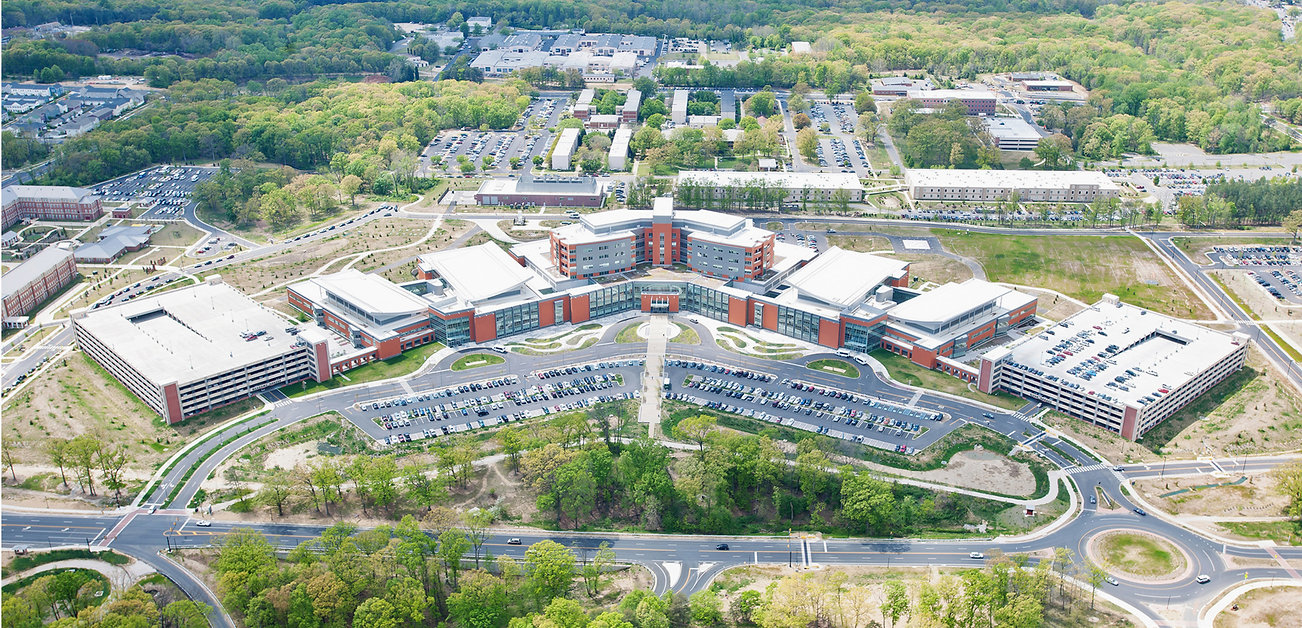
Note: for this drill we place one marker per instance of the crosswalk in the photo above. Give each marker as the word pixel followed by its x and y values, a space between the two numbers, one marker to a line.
pixel 1093 467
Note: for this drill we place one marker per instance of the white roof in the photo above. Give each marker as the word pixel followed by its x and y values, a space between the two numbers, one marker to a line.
pixel 478 273
pixel 374 294
pixel 964 94
pixel 1160 352
pixel 1014 128
pixel 949 301
pixel 1003 179
pixel 844 278
pixel 800 47
pixel 784 180
pixel 585 98
pixel 43 192
pixel 190 334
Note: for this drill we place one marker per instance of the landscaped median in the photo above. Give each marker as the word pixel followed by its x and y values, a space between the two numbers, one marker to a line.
pixel 904 371
pixel 476 360
pixel 836 367
pixel 1138 555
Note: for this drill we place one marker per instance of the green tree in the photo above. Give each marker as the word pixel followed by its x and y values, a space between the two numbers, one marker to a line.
pixel 453 545
pixel 807 143
pixel 1291 223
pixel 476 522
pixel 245 564
pixel 1288 479
pixel 375 612
pixel 864 103
pixel 705 608
pixel 185 614
pixel 867 501
pixel 481 602
pixel 596 569
pixel 696 429
pixel 565 613
pixel 897 602
pixel 551 570
pixel 277 490
pixel 762 104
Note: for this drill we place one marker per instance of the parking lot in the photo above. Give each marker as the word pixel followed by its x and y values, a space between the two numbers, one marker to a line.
pixel 1257 255
pixel 495 400
pixel 806 406
pixel 528 139
pixel 164 191
pixel 1283 284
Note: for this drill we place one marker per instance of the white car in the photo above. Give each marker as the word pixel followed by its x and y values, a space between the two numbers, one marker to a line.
pixel 203 523
pixel 977 555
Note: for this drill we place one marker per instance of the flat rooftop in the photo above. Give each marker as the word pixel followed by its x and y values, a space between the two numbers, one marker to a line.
pixel 964 94
pixel 785 180
pixel 952 300
pixel 1003 179
pixel 478 273
pixel 1011 129
pixel 191 333
pixel 1109 340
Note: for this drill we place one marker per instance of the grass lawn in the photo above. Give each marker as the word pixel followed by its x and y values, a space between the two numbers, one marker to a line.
pixel 835 367
pixel 97 593
pixel 397 366
pixel 906 372
pixel 1287 532
pixel 862 244
pixel 37 558
pixel 1141 555
pixel 686 335
pixel 174 234
pixel 629 335
pixel 476 360
pixel 1083 267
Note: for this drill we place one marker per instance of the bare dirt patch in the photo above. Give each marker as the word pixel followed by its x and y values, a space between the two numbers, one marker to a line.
pixel 863 244
pixel 935 268
pixel 1274 607
pixel 1255 499
pixel 76 396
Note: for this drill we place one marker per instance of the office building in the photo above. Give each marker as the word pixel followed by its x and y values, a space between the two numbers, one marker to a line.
pixel 978 102
pixel 34 281
pixel 1012 133
pixel 49 202
pixel 113 242
pixel 1031 186
pixel 791 187
pixel 668 260
pixel 1115 365
pixel 899 85
pixel 187 351
pixel 543 190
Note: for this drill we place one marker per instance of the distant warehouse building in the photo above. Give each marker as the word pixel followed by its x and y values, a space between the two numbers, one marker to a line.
pixel 618 159
pixel 35 280
pixel 49 202
pixel 1035 186
pixel 792 187
pixel 1047 86
pixel 978 102
pixel 549 190
pixel 188 351
pixel 1117 366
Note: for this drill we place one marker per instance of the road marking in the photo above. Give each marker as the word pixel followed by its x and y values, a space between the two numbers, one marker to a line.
pixel 674 569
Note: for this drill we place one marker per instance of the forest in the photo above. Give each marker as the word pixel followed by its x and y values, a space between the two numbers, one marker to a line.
pixel 356 128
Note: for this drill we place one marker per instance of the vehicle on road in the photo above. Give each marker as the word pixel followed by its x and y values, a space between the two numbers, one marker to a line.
pixel 1140 512
pixel 203 523
pixel 1203 579
pixel 1112 581
pixel 723 547
pixel 513 541
pixel 976 555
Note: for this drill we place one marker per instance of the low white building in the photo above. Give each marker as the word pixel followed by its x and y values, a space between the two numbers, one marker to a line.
pixel 1013 133
pixel 678 110
pixel 1034 186
pixel 618 159
pixel 563 153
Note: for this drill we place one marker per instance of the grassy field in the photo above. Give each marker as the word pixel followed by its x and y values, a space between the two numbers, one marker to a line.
pixel 1141 555
pixel 862 244
pixel 835 367
pixel 906 372
pixel 1083 267
pixel 77 396
pixel 1286 532
pixel 476 360
pixel 924 267
pixel 37 558
pixel 397 366
pixel 173 234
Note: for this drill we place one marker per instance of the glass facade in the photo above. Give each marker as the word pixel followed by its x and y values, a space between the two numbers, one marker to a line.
pixel 454 332
pixel 706 302
pixel 862 338
pixel 798 324
pixel 519 318
pixel 620 298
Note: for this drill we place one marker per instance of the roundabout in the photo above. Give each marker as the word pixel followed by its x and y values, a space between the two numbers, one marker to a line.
pixel 1140 556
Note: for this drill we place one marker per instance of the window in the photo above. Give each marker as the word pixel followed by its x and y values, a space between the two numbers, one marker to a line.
pixel 559 310
pixel 514 320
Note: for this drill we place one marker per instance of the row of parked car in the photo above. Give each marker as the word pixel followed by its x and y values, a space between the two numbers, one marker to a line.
pixel 562 371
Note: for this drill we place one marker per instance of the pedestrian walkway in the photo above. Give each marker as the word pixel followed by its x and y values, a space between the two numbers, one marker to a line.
pixel 657 332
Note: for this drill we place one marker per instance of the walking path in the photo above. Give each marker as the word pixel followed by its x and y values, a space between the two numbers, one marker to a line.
pixel 657 340
pixel 120 576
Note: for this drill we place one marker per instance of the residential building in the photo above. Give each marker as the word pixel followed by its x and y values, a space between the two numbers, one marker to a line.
pixel 191 350
pixel 49 202
pixel 1036 186
pixel 34 281
pixel 563 152
pixel 618 159
pixel 678 107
